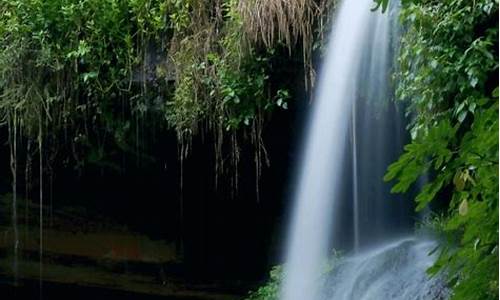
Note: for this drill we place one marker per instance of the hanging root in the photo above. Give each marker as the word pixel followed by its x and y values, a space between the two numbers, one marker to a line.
pixel 13 127
pixel 271 22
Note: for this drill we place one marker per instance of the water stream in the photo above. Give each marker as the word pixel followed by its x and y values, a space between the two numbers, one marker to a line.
pixel 355 131
pixel 395 271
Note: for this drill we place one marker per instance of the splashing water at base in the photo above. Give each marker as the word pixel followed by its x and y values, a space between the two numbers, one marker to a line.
pixel 395 271
pixel 353 88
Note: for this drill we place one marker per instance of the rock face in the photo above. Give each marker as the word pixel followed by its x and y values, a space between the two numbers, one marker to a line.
pixel 93 256
pixel 395 271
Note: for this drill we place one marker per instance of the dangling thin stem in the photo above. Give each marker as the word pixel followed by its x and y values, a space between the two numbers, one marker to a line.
pixel 40 157
pixel 13 167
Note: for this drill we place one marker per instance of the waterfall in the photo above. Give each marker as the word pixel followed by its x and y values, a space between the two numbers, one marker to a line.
pixel 393 271
pixel 355 131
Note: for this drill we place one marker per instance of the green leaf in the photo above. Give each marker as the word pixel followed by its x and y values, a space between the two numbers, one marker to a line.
pixel 463 209
pixel 462 116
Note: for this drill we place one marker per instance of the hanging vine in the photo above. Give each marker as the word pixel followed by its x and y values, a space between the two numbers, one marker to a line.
pixel 98 72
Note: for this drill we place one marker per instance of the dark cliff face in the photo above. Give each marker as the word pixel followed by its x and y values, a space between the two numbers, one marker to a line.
pixel 221 237
pixel 217 232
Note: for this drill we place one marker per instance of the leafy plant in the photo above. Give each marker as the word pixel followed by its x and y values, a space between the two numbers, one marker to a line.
pixel 270 290
pixel 88 76
pixel 448 67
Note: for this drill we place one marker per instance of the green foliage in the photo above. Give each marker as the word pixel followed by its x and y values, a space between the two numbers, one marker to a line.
pixel 288 23
pixel 69 68
pixel 270 290
pixel 222 85
pixel 87 75
pixel 221 79
pixel 448 66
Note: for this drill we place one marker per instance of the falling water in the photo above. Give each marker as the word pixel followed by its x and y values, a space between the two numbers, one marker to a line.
pixel 396 271
pixel 355 131
pixel 322 160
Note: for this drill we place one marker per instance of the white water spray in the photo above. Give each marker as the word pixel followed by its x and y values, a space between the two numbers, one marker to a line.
pixel 395 271
pixel 351 112
pixel 325 144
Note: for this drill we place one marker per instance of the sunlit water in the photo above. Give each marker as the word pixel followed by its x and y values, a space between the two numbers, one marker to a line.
pixel 354 132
